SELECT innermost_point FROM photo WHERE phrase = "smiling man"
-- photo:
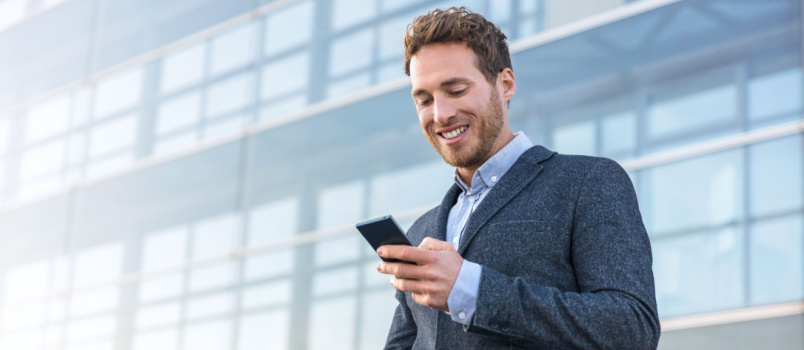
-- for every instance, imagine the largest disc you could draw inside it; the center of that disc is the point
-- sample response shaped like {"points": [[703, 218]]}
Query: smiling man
{"points": [[529, 248]]}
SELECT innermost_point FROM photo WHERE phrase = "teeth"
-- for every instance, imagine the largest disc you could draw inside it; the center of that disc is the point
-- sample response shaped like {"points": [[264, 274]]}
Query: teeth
{"points": [[454, 133]]}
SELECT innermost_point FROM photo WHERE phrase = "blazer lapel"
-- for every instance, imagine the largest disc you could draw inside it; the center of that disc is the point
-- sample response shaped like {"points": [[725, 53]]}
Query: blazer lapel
{"points": [[520, 174], [438, 228]]}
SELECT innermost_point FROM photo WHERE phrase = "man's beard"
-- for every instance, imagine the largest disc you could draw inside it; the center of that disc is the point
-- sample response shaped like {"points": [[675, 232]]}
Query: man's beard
{"points": [[488, 127]]}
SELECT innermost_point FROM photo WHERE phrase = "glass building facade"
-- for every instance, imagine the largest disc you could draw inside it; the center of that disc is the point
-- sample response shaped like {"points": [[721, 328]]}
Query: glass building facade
{"points": [[187, 174]]}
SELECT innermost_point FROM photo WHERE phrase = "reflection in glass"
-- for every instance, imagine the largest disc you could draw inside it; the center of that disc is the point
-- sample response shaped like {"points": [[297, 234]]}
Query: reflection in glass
{"points": [[158, 315], [273, 220], [232, 49], [775, 94], [299, 17], [182, 69], [348, 85], [349, 12], [118, 93], [678, 114], [282, 107], [269, 330], [174, 142], [178, 112], [225, 126], [351, 52], [47, 119], [266, 294], [209, 305], [776, 175], [698, 192], [22, 316], [699, 273], [341, 205], [577, 138], [390, 34], [26, 282], [213, 335], [229, 95], [161, 288], [167, 339], [267, 265], [333, 281], [113, 135], [378, 312], [777, 260], [109, 165], [11, 12], [286, 75], [332, 324], [94, 301], [90, 328]]}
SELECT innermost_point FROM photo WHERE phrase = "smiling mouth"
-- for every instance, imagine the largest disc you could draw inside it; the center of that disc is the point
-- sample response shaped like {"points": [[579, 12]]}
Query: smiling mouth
{"points": [[454, 133]]}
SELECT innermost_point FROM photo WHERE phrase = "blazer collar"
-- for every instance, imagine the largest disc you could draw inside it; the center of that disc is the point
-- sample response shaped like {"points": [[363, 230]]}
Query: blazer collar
{"points": [[522, 173], [439, 230]]}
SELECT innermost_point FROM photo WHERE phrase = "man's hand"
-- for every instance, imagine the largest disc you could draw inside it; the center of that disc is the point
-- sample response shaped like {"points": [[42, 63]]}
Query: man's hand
{"points": [[429, 281]]}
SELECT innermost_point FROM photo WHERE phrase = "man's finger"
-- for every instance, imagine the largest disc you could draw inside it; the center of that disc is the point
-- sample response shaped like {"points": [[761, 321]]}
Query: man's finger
{"points": [[430, 243], [400, 270], [404, 252], [407, 285]]}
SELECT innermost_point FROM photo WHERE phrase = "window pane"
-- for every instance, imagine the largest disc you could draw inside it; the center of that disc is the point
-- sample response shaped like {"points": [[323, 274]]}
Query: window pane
{"points": [[91, 328], [94, 301], [267, 265], [4, 135], [698, 192], [577, 138], [158, 315], [118, 93], [182, 69], [174, 142], [267, 294], [776, 176], [161, 288], [232, 49], [285, 76], [270, 330], [335, 281], [159, 340], [699, 273], [391, 32], [43, 159], [212, 277], [98, 264], [229, 95], [775, 94], [677, 114], [165, 248], [11, 12], [26, 282], [337, 250], [209, 305], [349, 12], [777, 260], [282, 107], [348, 85], [619, 133], [299, 17], [341, 205], [215, 335], [388, 196], [273, 221], [113, 135], [179, 112], [378, 312], [351, 52], [47, 119], [332, 324], [215, 236]]}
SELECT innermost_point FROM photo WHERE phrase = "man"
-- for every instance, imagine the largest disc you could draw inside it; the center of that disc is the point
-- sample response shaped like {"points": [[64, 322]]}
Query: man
{"points": [[529, 249]]}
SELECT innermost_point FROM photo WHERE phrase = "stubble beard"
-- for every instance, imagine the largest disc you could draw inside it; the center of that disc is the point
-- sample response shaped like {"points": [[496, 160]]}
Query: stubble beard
{"points": [[488, 128]]}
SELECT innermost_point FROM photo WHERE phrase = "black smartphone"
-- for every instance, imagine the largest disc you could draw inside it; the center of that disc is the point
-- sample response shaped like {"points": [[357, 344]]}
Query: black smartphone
{"points": [[384, 231]]}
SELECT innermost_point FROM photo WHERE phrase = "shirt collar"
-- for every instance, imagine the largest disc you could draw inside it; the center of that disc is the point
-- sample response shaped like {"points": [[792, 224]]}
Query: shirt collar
{"points": [[493, 169]]}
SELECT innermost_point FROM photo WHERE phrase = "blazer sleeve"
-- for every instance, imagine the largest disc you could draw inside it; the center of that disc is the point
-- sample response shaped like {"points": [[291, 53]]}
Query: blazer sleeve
{"points": [[615, 305], [403, 328]]}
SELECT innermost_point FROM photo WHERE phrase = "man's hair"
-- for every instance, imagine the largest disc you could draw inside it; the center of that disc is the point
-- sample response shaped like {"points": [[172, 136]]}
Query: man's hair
{"points": [[459, 25]]}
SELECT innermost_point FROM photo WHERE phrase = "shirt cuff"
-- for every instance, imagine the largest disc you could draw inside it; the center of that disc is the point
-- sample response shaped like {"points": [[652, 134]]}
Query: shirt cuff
{"points": [[462, 300]]}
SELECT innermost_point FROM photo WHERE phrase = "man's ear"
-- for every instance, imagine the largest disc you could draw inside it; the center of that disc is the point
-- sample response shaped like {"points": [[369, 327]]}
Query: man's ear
{"points": [[507, 84]]}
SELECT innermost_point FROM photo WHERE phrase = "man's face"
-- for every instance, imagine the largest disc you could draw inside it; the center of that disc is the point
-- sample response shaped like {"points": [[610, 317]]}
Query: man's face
{"points": [[461, 113]]}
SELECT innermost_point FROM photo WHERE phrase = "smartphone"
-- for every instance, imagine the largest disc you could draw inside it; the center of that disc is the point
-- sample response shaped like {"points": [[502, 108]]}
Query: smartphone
{"points": [[384, 231]]}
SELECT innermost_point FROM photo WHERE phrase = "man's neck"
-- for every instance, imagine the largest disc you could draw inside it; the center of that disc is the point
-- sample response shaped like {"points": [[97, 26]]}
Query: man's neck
{"points": [[468, 173]]}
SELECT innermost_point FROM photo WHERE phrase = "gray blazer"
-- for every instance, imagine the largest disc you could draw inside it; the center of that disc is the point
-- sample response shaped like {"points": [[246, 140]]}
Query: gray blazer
{"points": [[566, 263]]}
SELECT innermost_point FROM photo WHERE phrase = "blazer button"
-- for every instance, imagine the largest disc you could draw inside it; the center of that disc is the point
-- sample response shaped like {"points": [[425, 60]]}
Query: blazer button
{"points": [[493, 325], [504, 328]]}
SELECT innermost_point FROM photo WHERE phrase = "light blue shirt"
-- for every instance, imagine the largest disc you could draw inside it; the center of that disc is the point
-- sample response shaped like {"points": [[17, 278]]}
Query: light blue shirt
{"points": [[462, 300]]}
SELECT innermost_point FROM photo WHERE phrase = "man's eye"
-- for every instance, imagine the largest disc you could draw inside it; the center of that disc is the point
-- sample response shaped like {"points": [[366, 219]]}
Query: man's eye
{"points": [[458, 92], [425, 102]]}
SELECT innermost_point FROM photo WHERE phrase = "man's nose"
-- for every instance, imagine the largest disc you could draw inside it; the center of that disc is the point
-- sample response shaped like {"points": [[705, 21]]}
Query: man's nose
{"points": [[444, 111]]}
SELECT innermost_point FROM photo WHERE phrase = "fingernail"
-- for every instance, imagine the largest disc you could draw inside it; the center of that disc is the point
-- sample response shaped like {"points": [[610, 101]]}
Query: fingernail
{"points": [[392, 281], [379, 265], [379, 251]]}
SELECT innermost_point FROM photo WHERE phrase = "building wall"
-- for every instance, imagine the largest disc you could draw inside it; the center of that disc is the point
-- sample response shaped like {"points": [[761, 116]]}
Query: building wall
{"points": [[187, 175]]}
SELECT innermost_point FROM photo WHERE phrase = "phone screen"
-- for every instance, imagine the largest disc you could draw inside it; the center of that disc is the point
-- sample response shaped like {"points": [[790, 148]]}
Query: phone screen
{"points": [[383, 231]]}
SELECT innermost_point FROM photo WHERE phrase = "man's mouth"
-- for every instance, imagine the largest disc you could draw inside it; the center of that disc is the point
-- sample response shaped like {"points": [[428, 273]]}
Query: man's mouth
{"points": [[454, 133]]}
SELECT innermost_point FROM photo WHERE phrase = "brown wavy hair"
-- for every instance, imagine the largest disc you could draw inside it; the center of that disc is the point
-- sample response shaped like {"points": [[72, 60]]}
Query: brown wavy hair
{"points": [[455, 25]]}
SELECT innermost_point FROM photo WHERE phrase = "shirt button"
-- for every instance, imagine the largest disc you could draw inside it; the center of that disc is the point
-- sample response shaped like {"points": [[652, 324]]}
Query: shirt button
{"points": [[455, 240], [462, 315], [494, 178], [471, 198]]}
